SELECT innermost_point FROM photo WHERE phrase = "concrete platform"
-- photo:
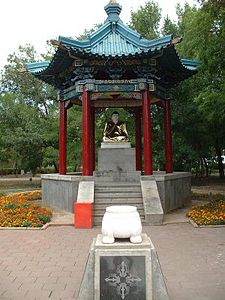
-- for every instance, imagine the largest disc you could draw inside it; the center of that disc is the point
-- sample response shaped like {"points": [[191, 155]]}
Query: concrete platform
{"points": [[174, 189], [60, 191]]}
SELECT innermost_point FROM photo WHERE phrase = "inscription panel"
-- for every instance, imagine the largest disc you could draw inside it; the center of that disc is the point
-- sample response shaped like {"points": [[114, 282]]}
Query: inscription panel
{"points": [[122, 277]]}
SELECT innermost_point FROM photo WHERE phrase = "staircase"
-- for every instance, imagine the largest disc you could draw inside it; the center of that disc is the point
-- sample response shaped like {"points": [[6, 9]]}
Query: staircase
{"points": [[116, 193]]}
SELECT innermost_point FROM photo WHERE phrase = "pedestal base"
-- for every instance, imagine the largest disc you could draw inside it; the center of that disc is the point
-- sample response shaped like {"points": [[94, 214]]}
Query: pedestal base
{"points": [[116, 159], [123, 271], [105, 145]]}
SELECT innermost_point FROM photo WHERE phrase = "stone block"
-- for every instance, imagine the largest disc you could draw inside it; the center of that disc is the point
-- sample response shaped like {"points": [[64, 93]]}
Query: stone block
{"points": [[86, 192], [105, 145], [86, 291], [115, 176], [123, 271], [60, 191], [152, 203], [174, 188], [118, 159]]}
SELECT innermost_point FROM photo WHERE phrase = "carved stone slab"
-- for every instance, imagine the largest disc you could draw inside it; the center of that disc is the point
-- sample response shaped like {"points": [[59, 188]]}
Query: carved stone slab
{"points": [[122, 277], [123, 271], [85, 192]]}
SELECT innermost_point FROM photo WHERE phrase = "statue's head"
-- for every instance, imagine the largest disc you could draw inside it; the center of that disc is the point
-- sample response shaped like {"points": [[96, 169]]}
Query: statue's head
{"points": [[115, 117]]}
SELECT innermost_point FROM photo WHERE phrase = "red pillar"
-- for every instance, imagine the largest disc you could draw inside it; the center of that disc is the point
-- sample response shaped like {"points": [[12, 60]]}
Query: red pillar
{"points": [[147, 126], [168, 137], [92, 145], [62, 139], [138, 140], [86, 133]]}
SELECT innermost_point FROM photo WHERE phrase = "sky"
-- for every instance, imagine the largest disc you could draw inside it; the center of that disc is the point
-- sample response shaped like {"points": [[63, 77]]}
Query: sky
{"points": [[36, 21]]}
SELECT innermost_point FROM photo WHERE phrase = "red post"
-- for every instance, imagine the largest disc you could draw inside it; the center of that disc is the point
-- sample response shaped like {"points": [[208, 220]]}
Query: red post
{"points": [[138, 140], [147, 125], [168, 137], [92, 145], [86, 133], [62, 139]]}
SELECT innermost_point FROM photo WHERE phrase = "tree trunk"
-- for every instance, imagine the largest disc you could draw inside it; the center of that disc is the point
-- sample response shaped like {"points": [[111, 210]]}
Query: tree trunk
{"points": [[202, 167], [206, 167], [220, 161], [56, 166]]}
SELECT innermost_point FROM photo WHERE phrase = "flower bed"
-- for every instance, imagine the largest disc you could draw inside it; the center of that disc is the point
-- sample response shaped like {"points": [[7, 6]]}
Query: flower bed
{"points": [[212, 213], [18, 210]]}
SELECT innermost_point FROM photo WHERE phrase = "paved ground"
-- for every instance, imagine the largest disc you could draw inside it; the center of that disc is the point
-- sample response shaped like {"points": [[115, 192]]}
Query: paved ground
{"points": [[49, 264]]}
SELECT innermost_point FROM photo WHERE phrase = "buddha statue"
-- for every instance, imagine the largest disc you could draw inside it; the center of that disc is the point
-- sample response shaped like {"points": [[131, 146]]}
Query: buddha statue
{"points": [[115, 131]]}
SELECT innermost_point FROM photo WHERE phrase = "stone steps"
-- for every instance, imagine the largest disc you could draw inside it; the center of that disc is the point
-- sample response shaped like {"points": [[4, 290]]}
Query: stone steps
{"points": [[118, 200], [117, 193], [100, 213], [118, 189], [117, 183], [101, 209], [101, 206]]}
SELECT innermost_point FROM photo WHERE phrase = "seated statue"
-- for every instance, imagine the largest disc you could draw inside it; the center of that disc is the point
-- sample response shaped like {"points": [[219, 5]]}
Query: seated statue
{"points": [[115, 131]]}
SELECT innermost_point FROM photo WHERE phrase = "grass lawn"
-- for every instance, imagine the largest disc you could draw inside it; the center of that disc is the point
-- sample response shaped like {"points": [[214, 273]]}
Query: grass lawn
{"points": [[13, 185]]}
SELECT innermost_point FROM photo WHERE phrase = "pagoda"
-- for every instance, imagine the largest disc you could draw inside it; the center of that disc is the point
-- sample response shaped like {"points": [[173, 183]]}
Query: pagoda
{"points": [[115, 67]]}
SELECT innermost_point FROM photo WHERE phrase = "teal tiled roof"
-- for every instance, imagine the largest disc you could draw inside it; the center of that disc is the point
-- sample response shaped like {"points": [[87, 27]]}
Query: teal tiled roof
{"points": [[113, 39]]}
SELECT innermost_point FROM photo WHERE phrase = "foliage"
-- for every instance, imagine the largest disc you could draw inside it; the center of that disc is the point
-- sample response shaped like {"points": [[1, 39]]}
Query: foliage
{"points": [[18, 210], [14, 80], [88, 32], [169, 27], [22, 134], [212, 213], [74, 138], [28, 115], [146, 19], [199, 102], [204, 33]]}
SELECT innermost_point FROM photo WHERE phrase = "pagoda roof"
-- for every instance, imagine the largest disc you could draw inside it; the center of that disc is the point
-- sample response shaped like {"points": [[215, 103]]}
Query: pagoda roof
{"points": [[113, 39]]}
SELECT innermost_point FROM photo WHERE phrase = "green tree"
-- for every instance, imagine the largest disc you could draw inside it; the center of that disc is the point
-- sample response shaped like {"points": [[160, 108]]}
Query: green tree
{"points": [[87, 32], [146, 19], [205, 40], [14, 79], [35, 100], [169, 27], [198, 102], [22, 136]]}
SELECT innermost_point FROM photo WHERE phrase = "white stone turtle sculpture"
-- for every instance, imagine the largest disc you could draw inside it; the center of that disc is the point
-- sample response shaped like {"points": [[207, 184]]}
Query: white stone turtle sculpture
{"points": [[121, 221]]}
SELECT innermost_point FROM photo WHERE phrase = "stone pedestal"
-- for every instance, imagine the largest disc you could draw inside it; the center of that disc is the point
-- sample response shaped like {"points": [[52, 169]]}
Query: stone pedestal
{"points": [[117, 159], [106, 145], [123, 271]]}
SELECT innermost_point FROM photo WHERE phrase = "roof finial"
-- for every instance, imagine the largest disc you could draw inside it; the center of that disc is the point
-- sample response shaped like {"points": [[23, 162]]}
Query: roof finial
{"points": [[113, 9]]}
